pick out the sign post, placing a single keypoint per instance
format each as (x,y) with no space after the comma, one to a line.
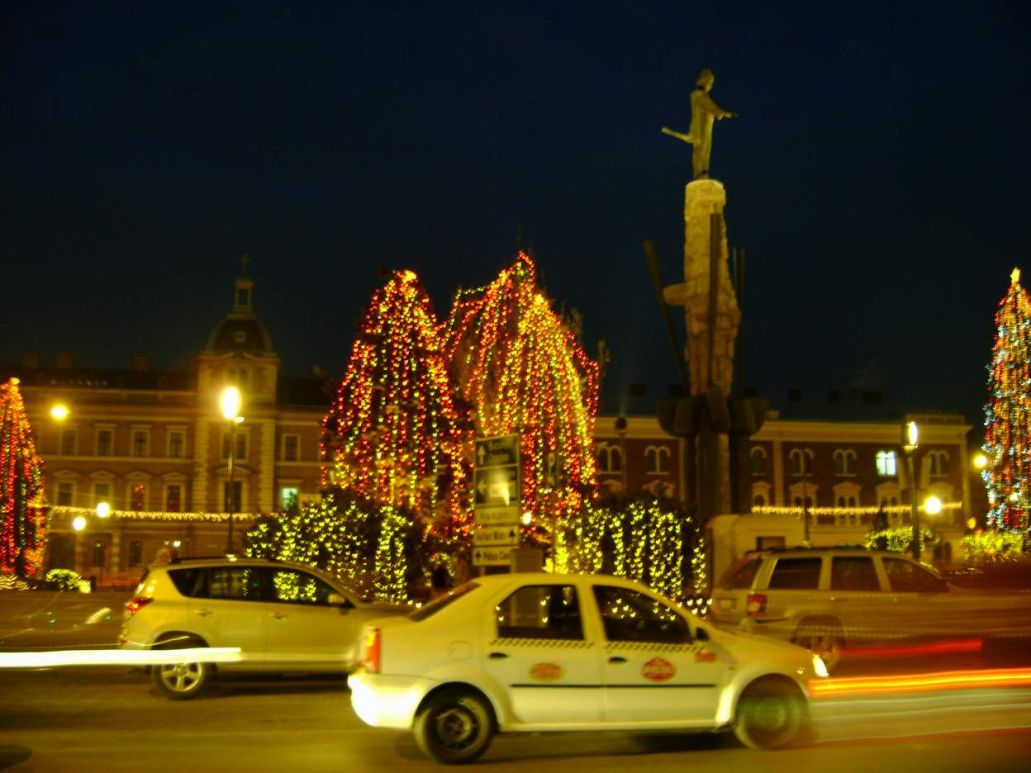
(496,500)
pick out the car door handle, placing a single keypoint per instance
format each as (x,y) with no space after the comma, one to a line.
(202,612)
(497,656)
(617,659)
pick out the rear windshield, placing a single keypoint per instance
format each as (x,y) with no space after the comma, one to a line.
(740,575)
(429,610)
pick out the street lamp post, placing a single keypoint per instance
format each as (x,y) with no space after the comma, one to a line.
(805,498)
(230,404)
(912,443)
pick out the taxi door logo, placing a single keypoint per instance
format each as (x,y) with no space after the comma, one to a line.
(545,672)
(658,670)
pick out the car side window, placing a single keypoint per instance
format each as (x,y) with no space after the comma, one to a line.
(242,583)
(186,581)
(632,616)
(853,573)
(540,612)
(796,574)
(291,586)
(904,577)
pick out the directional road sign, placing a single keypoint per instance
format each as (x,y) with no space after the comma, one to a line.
(500,451)
(492,556)
(496,486)
(496,536)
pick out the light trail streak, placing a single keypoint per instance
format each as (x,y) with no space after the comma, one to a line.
(905,683)
(118,657)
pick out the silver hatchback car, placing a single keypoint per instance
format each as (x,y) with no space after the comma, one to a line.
(284,617)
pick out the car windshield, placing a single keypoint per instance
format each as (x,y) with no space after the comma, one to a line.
(438,604)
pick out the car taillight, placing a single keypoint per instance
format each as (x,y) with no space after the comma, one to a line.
(135,604)
(370,651)
(756,604)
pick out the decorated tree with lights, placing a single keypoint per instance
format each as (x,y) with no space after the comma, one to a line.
(522,369)
(22,511)
(395,436)
(1008,413)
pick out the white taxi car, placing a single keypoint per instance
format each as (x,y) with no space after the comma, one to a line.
(537,652)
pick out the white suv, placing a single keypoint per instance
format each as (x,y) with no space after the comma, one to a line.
(284,617)
(827,598)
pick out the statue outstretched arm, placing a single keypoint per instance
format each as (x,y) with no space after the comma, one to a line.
(708,104)
(678,135)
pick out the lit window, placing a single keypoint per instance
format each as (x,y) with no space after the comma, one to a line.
(887,464)
(288,497)
(138,496)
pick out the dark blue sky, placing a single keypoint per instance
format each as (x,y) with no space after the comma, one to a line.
(877,174)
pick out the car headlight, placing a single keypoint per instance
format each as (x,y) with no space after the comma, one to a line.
(819,667)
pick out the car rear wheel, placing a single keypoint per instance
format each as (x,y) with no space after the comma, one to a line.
(771,713)
(454,726)
(181,681)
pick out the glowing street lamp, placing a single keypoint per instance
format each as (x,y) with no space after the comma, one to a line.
(103,510)
(230,401)
(59,412)
(933,505)
(79,523)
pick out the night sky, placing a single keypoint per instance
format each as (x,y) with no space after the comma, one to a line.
(877,175)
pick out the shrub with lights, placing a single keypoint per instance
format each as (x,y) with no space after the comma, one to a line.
(651,540)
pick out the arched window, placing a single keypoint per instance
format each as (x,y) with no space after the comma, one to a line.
(844,462)
(801,461)
(658,460)
(939,463)
(610,458)
(758,457)
(758,501)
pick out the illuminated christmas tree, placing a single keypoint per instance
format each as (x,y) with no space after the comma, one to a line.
(394,435)
(1008,412)
(22,511)
(521,367)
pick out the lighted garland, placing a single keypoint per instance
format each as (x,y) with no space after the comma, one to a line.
(1007,442)
(523,371)
(22,506)
(899,539)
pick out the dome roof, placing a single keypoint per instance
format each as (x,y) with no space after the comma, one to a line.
(240,334)
(240,330)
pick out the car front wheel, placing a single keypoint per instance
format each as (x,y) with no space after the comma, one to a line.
(454,726)
(771,713)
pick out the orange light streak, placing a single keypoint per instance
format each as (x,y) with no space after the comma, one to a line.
(906,683)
